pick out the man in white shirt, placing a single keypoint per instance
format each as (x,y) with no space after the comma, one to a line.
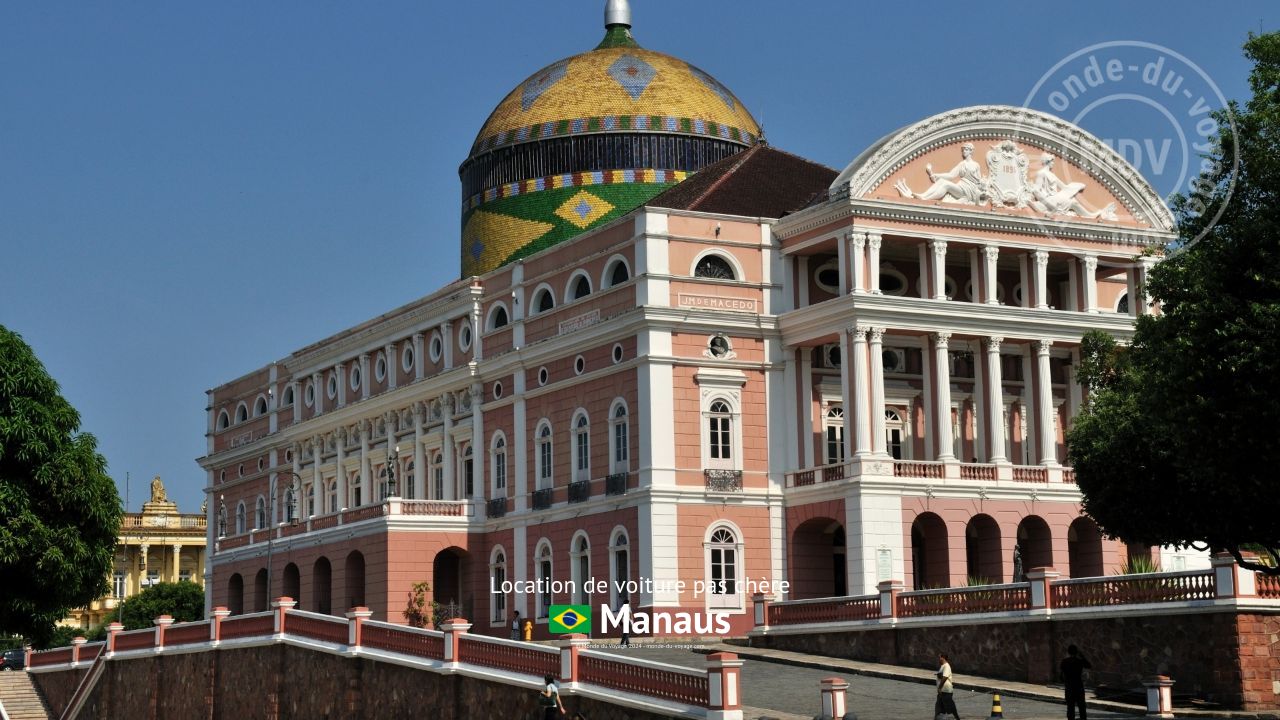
(946,703)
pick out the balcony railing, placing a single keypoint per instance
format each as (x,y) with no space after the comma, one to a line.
(919,469)
(725,481)
(542,499)
(579,491)
(1030,473)
(495,507)
(616,484)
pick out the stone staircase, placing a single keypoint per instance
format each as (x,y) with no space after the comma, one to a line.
(20,699)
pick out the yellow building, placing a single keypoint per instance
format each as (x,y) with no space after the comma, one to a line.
(156,545)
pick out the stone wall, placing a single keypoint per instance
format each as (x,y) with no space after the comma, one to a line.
(57,688)
(283,682)
(1228,658)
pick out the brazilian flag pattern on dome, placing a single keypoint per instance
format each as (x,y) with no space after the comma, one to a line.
(533,178)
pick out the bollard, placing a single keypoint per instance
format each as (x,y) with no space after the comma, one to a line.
(76,643)
(570,646)
(220,613)
(833,696)
(162,623)
(113,629)
(997,712)
(1159,696)
(355,624)
(454,629)
(723,672)
(282,606)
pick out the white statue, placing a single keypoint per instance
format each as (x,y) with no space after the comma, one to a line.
(1056,197)
(964,184)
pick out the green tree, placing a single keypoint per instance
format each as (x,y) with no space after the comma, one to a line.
(59,511)
(1179,442)
(183,601)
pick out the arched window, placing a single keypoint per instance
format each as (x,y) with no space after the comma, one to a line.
(544,456)
(357,490)
(581,448)
(714,267)
(260,515)
(543,563)
(498,317)
(224,420)
(498,464)
(288,394)
(1122,305)
(241,519)
(409,483)
(290,498)
(311,500)
(720,434)
(543,301)
(242,413)
(468,473)
(497,576)
(333,496)
(380,489)
(620,570)
(620,452)
(723,558)
(580,559)
(579,287)
(617,273)
(437,475)
(260,407)
(834,432)
(895,431)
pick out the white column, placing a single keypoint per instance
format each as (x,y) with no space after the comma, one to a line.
(366,473)
(317,391)
(979,403)
(877,391)
(1027,409)
(923,256)
(393,365)
(477,344)
(1042,279)
(1075,394)
(297,401)
(418,365)
(317,481)
(1073,286)
(365,378)
(1044,402)
(446,447)
(942,425)
(842,264)
(340,376)
(990,255)
(177,556)
(873,261)
(1089,265)
(1144,304)
(995,400)
(446,336)
(419,454)
(1024,278)
(848,401)
(857,248)
(1131,281)
(929,400)
(804,417)
(340,442)
(939,248)
(861,382)
(975,274)
(478,445)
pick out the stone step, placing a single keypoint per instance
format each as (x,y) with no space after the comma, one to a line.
(20,699)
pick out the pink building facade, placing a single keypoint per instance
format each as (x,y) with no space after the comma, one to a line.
(846,378)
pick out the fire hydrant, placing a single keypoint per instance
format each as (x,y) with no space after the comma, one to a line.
(528,630)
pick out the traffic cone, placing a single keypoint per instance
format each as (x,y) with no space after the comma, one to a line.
(997,713)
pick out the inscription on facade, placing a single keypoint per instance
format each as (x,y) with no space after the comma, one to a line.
(715,302)
(580,321)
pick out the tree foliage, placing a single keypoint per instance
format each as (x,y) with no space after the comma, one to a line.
(59,511)
(1179,442)
(183,601)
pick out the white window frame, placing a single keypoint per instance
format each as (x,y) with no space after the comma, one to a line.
(732,401)
(497,575)
(437,473)
(491,317)
(619,542)
(498,464)
(733,601)
(242,412)
(332,495)
(544,458)
(569,295)
(580,431)
(738,274)
(619,437)
(224,420)
(355,491)
(533,299)
(606,277)
(577,556)
(242,518)
(833,434)
(545,574)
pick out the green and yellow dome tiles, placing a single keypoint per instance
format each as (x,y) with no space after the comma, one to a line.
(588,139)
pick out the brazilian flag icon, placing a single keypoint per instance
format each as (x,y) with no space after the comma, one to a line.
(570,619)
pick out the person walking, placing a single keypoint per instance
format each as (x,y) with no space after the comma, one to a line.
(1073,667)
(946,702)
(625,604)
(549,699)
(515,625)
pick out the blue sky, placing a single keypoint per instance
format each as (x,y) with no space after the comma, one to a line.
(192,190)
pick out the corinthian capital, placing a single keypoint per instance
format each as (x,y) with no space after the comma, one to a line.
(1042,346)
(941,340)
(876,334)
(993,343)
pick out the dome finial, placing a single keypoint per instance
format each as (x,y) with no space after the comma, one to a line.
(617,12)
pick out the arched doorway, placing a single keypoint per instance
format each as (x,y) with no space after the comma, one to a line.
(292,583)
(235,594)
(1084,548)
(322,586)
(260,592)
(446,575)
(818,560)
(982,550)
(930,565)
(355,579)
(1035,543)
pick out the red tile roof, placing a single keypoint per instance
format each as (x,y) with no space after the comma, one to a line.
(757,182)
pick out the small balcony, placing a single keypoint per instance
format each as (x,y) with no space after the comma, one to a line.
(616,484)
(579,491)
(723,481)
(542,499)
(495,507)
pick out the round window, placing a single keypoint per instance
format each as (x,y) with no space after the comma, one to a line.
(355,378)
(892,282)
(380,368)
(309,395)
(579,365)
(464,338)
(827,276)
(437,348)
(833,356)
(406,358)
(497,390)
(542,376)
(333,386)
(718,346)
(617,353)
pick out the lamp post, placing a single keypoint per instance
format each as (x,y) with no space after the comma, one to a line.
(272,524)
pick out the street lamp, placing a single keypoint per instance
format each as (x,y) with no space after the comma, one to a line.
(272,524)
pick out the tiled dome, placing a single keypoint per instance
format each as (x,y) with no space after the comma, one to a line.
(587,139)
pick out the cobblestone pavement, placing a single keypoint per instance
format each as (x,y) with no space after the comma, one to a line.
(794,690)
